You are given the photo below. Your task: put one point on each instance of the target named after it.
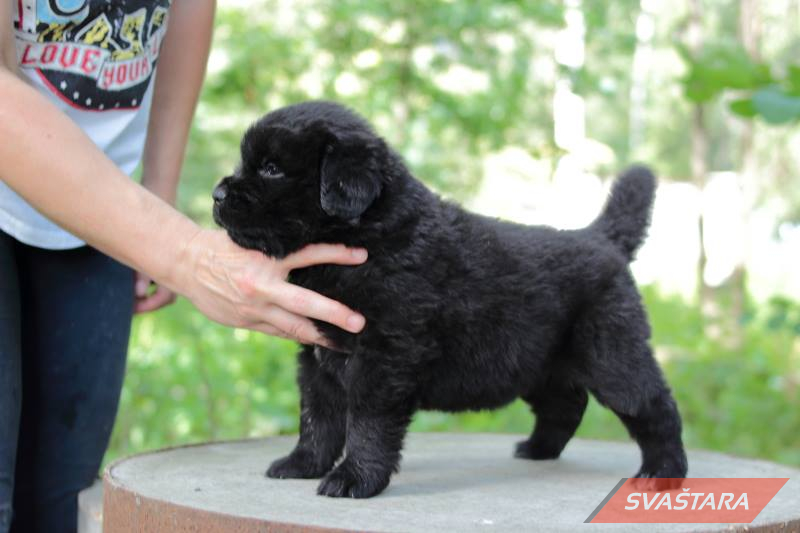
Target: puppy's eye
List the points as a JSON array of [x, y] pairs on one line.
[[270, 170]]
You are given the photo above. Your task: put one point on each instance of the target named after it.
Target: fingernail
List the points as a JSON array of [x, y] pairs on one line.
[[359, 254], [355, 323], [141, 288]]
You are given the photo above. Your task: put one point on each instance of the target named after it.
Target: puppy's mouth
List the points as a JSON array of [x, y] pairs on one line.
[[246, 237], [226, 211]]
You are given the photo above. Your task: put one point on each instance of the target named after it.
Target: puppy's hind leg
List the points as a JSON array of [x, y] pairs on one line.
[[559, 408], [623, 375], [656, 427], [323, 418]]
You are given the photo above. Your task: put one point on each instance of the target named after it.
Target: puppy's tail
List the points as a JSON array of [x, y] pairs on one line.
[[626, 216]]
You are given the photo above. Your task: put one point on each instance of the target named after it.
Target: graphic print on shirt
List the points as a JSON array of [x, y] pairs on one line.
[[94, 54]]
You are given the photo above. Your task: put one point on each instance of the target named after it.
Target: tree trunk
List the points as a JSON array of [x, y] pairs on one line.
[[569, 114], [749, 36], [699, 168], [699, 163], [640, 68]]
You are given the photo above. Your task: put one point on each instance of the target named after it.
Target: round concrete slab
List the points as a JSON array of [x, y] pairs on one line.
[[448, 482]]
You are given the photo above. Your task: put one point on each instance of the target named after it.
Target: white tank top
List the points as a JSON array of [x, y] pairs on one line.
[[95, 60]]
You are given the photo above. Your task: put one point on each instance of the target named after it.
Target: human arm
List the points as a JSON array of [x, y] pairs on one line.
[[179, 77], [51, 163]]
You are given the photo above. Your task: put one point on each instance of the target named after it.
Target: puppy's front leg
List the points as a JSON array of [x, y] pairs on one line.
[[380, 407], [323, 408]]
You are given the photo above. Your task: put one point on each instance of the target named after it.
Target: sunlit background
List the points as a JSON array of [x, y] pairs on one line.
[[525, 110]]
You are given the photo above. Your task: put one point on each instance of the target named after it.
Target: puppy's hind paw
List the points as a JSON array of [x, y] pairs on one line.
[[656, 484], [345, 481], [536, 450], [668, 475], [295, 466]]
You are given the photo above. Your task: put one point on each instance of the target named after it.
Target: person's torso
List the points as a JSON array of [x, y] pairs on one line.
[[95, 60]]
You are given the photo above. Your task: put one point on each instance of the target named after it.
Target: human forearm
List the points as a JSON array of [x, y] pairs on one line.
[[56, 167], [177, 86]]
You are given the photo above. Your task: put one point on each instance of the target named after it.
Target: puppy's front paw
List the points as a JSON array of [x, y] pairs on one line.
[[295, 466], [346, 481], [537, 451]]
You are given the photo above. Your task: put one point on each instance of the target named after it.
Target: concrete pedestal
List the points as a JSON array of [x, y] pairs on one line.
[[448, 482]]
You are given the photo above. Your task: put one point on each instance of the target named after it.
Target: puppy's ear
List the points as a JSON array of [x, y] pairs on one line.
[[350, 174]]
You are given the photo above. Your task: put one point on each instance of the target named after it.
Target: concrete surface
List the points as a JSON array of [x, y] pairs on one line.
[[448, 482], [90, 509]]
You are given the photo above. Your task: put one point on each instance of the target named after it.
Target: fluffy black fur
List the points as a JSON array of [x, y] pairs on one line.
[[463, 312]]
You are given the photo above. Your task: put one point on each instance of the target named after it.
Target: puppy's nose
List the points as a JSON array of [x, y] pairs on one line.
[[220, 192]]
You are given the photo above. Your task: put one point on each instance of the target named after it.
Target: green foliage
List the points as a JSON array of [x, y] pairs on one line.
[[776, 105], [744, 401], [722, 67], [394, 63], [189, 379]]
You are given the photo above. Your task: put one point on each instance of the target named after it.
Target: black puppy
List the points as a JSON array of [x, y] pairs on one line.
[[463, 312]]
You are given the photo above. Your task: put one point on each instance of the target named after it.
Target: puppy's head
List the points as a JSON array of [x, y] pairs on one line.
[[305, 169]]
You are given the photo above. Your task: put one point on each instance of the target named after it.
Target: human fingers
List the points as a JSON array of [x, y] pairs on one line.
[[306, 303], [269, 329], [161, 298], [292, 326], [319, 254], [141, 285]]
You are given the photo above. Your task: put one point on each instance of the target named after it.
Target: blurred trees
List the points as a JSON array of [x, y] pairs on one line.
[[695, 88], [444, 82], [448, 82], [730, 68]]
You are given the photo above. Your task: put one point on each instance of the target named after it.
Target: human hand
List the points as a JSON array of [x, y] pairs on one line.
[[246, 289], [147, 300]]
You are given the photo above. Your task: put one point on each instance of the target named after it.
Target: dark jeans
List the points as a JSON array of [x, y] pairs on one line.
[[64, 325]]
